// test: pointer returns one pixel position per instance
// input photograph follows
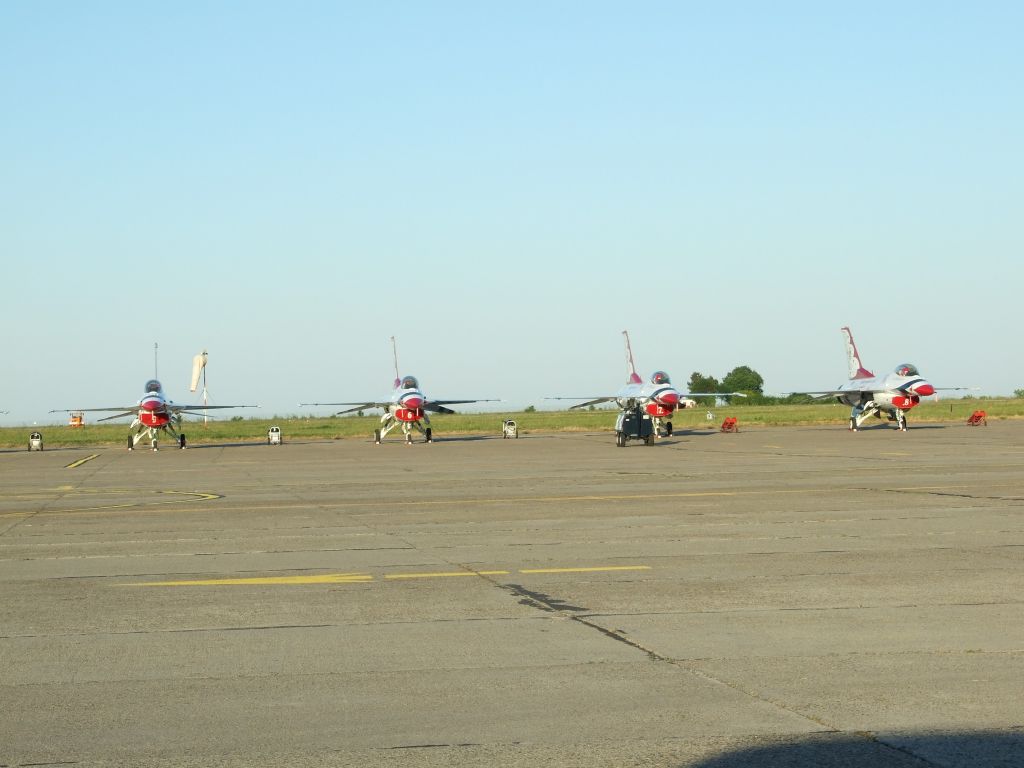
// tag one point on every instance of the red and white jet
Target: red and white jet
(154, 413)
(646, 407)
(407, 407)
(869, 395)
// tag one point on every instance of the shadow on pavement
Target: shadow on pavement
(971, 749)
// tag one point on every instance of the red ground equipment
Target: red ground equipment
(730, 424)
(978, 418)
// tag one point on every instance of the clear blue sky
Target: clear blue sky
(504, 187)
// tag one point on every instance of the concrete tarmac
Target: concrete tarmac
(777, 597)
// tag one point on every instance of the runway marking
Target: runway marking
(362, 578)
(588, 570)
(445, 574)
(325, 578)
(80, 462)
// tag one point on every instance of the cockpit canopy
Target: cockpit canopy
(409, 382)
(153, 386)
(660, 377)
(907, 369)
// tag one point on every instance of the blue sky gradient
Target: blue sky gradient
(503, 188)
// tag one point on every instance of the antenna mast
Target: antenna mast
(205, 418)
(394, 354)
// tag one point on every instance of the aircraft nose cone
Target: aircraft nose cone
(412, 402)
(669, 398)
(924, 389)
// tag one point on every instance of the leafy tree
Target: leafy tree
(701, 383)
(743, 379)
(1018, 393)
(799, 398)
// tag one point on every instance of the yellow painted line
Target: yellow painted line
(80, 462)
(445, 575)
(325, 578)
(362, 578)
(589, 570)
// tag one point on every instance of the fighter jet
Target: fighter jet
(869, 395)
(154, 413)
(407, 407)
(646, 408)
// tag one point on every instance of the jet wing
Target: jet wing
(627, 395)
(438, 406)
(355, 406)
(822, 394)
(124, 410)
(199, 410)
(592, 401)
(712, 394)
(183, 408)
(435, 406)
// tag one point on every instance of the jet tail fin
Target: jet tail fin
(634, 378)
(857, 370)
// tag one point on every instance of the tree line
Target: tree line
(743, 379)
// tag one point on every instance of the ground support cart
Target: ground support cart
(633, 424)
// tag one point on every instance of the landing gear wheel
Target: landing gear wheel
(649, 440)
(153, 443)
(429, 435)
(620, 439)
(376, 436)
(668, 429)
(408, 439)
(181, 442)
(131, 443)
(853, 424)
